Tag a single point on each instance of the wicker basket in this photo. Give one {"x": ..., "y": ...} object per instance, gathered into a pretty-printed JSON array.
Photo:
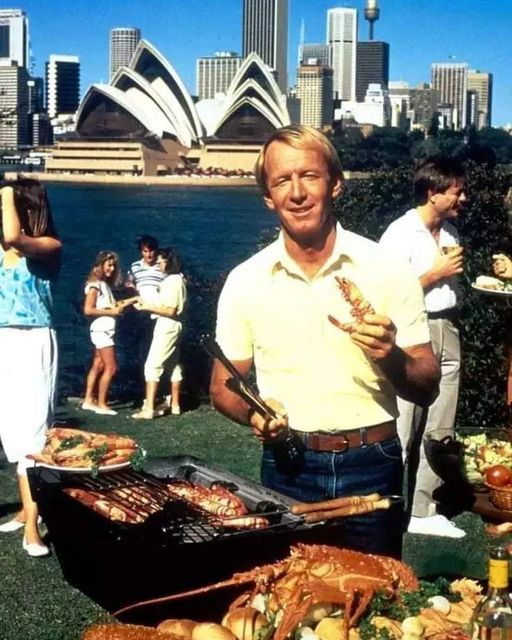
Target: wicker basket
[{"x": 501, "y": 497}]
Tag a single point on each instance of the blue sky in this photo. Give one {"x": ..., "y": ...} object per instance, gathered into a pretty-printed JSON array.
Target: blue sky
[{"x": 419, "y": 32}]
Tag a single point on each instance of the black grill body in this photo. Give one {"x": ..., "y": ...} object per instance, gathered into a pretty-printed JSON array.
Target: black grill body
[{"x": 117, "y": 564}]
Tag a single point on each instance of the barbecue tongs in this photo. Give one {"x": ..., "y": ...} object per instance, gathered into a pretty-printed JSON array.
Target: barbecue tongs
[{"x": 238, "y": 383}]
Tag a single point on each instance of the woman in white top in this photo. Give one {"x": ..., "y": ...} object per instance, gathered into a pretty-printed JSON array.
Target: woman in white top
[
  {"x": 164, "y": 353},
  {"x": 101, "y": 305}
]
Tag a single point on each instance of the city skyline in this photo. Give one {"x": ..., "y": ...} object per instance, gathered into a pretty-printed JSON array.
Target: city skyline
[{"x": 468, "y": 31}]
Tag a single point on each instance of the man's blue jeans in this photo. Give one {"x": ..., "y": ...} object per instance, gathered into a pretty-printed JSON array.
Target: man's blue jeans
[{"x": 357, "y": 471}]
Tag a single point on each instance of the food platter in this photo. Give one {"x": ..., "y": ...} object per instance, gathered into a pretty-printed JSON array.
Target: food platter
[
  {"x": 492, "y": 292},
  {"x": 71, "y": 450},
  {"x": 101, "y": 469}
]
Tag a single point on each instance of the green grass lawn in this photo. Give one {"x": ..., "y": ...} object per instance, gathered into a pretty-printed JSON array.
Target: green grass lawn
[{"x": 36, "y": 603}]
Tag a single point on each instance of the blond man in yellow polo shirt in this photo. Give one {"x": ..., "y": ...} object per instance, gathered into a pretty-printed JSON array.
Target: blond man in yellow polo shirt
[{"x": 282, "y": 312}]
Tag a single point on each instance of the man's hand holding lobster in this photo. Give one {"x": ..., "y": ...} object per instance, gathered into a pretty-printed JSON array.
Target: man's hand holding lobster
[
  {"x": 374, "y": 333},
  {"x": 413, "y": 371}
]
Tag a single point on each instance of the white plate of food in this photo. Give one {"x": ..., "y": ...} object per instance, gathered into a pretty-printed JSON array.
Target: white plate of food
[
  {"x": 77, "y": 451},
  {"x": 492, "y": 292},
  {"x": 492, "y": 286},
  {"x": 100, "y": 469}
]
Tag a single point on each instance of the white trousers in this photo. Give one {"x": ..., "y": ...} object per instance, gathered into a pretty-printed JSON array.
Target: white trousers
[
  {"x": 164, "y": 353},
  {"x": 28, "y": 377},
  {"x": 438, "y": 419}
]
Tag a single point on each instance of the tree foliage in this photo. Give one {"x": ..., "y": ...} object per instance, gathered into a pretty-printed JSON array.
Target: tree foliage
[
  {"x": 389, "y": 147},
  {"x": 368, "y": 207}
]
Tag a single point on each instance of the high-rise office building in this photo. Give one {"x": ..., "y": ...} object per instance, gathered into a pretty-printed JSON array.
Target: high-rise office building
[
  {"x": 400, "y": 100},
  {"x": 424, "y": 103},
  {"x": 214, "y": 75},
  {"x": 35, "y": 95},
  {"x": 265, "y": 31},
  {"x": 42, "y": 131},
  {"x": 14, "y": 130},
  {"x": 372, "y": 66},
  {"x": 293, "y": 105},
  {"x": 314, "y": 90},
  {"x": 472, "y": 108},
  {"x": 450, "y": 79},
  {"x": 480, "y": 83},
  {"x": 314, "y": 52},
  {"x": 14, "y": 38},
  {"x": 123, "y": 42},
  {"x": 342, "y": 41},
  {"x": 62, "y": 85},
  {"x": 39, "y": 126}
]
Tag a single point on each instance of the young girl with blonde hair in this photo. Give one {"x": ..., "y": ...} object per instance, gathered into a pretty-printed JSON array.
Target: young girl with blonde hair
[{"x": 101, "y": 306}]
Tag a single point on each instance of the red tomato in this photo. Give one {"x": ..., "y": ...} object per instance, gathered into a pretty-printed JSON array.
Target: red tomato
[{"x": 498, "y": 475}]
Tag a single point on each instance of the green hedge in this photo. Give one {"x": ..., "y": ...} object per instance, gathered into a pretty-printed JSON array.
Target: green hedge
[{"x": 368, "y": 206}]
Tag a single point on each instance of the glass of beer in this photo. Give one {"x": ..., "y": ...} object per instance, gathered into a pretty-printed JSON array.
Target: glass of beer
[{"x": 446, "y": 250}]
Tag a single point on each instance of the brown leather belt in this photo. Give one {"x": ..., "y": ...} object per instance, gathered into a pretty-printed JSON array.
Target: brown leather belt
[{"x": 340, "y": 441}]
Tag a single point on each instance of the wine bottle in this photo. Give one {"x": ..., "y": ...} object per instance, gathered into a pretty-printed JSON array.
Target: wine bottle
[{"x": 492, "y": 619}]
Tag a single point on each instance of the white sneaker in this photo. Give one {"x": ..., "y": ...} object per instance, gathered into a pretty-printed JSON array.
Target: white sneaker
[
  {"x": 435, "y": 526},
  {"x": 14, "y": 525},
  {"x": 35, "y": 550},
  {"x": 105, "y": 412},
  {"x": 11, "y": 525}
]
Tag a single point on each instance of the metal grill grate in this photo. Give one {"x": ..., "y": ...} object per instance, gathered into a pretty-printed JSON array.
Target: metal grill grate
[{"x": 176, "y": 519}]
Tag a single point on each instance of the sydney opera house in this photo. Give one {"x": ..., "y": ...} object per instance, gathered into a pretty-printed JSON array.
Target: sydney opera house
[{"x": 145, "y": 122}]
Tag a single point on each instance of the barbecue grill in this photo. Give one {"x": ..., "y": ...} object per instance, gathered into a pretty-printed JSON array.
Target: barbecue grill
[{"x": 177, "y": 547}]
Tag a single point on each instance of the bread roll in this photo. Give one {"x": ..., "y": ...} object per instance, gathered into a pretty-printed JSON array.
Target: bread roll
[
  {"x": 244, "y": 622},
  {"x": 125, "y": 632},
  {"x": 330, "y": 629},
  {"x": 211, "y": 631},
  {"x": 182, "y": 628}
]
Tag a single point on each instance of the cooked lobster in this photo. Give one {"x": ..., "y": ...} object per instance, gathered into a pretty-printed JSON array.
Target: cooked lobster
[{"x": 314, "y": 574}]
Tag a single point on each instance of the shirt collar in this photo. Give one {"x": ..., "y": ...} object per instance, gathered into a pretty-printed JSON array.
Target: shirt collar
[
  {"x": 142, "y": 263},
  {"x": 419, "y": 225},
  {"x": 416, "y": 220},
  {"x": 280, "y": 258}
]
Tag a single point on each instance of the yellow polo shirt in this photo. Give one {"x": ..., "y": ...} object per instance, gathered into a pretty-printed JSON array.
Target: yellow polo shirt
[{"x": 271, "y": 312}]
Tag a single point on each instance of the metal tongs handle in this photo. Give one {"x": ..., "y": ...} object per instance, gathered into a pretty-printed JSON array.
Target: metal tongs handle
[{"x": 238, "y": 384}]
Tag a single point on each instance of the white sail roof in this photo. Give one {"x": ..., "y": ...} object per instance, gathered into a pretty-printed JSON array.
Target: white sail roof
[
  {"x": 131, "y": 82},
  {"x": 141, "y": 109},
  {"x": 151, "y": 91},
  {"x": 158, "y": 71},
  {"x": 254, "y": 85}
]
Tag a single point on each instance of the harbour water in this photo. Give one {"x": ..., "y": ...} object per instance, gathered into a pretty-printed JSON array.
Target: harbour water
[{"x": 212, "y": 229}]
